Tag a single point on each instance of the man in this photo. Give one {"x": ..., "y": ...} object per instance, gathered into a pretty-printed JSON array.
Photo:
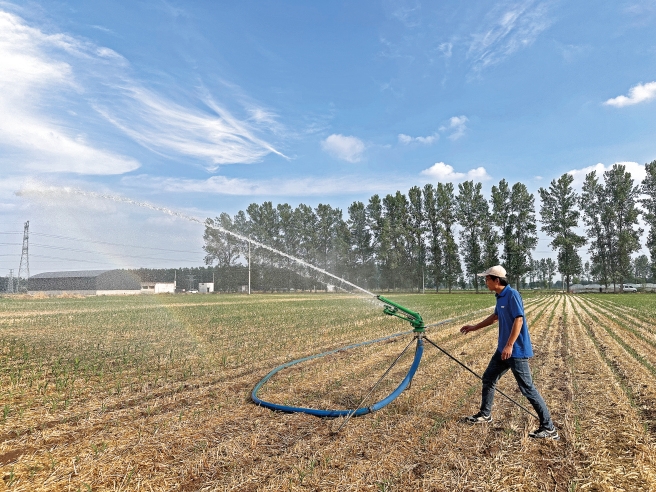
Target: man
[{"x": 513, "y": 350}]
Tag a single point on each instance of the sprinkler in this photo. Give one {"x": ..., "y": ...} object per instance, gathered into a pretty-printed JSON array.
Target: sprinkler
[{"x": 390, "y": 308}]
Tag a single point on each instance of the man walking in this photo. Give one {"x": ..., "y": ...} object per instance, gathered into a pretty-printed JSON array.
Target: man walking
[{"x": 513, "y": 350}]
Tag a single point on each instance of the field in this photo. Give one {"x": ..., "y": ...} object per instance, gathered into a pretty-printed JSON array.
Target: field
[{"x": 153, "y": 393}]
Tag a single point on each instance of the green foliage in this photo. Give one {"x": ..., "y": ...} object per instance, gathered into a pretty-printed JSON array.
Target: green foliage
[
  {"x": 560, "y": 216},
  {"x": 610, "y": 214},
  {"x": 513, "y": 211}
]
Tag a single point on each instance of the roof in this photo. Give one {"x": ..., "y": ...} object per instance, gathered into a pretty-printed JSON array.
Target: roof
[{"x": 73, "y": 274}]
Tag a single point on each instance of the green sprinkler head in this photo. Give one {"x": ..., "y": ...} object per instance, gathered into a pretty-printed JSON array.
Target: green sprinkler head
[{"x": 393, "y": 309}]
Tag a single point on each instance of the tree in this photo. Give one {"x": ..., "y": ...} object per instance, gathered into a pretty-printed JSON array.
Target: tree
[
  {"x": 641, "y": 268},
  {"x": 376, "y": 224},
  {"x": 416, "y": 230},
  {"x": 550, "y": 270},
  {"x": 220, "y": 246},
  {"x": 513, "y": 211},
  {"x": 435, "y": 232},
  {"x": 361, "y": 251},
  {"x": 393, "y": 239},
  {"x": 327, "y": 227},
  {"x": 446, "y": 213},
  {"x": 623, "y": 197},
  {"x": 611, "y": 216},
  {"x": 472, "y": 213},
  {"x": 649, "y": 203},
  {"x": 559, "y": 218},
  {"x": 594, "y": 205}
]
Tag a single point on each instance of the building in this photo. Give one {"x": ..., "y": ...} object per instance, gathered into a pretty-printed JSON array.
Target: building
[
  {"x": 206, "y": 288},
  {"x": 86, "y": 282},
  {"x": 158, "y": 287}
]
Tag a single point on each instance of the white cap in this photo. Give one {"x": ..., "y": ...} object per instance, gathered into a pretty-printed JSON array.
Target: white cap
[{"x": 497, "y": 271}]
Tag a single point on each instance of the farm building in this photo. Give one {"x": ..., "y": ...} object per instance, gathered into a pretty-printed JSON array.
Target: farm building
[
  {"x": 158, "y": 287},
  {"x": 206, "y": 288},
  {"x": 86, "y": 282}
]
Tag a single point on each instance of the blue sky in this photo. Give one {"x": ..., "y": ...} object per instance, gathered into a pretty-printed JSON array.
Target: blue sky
[{"x": 205, "y": 107}]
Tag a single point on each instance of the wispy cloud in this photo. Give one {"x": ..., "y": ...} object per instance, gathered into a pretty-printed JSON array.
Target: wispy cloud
[
  {"x": 169, "y": 128},
  {"x": 508, "y": 28},
  {"x": 429, "y": 140},
  {"x": 343, "y": 147},
  {"x": 445, "y": 173},
  {"x": 456, "y": 127},
  {"x": 310, "y": 186},
  {"x": 637, "y": 94},
  {"x": 33, "y": 70},
  {"x": 44, "y": 76}
]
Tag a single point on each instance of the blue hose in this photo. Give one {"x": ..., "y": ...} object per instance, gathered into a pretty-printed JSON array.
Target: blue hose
[{"x": 341, "y": 413}]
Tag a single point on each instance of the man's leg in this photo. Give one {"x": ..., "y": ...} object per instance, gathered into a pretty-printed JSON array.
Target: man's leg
[
  {"x": 522, "y": 373},
  {"x": 495, "y": 369}
]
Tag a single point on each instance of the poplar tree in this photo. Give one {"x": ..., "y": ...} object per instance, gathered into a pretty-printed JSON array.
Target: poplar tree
[
  {"x": 416, "y": 231},
  {"x": 434, "y": 227},
  {"x": 220, "y": 246},
  {"x": 446, "y": 212},
  {"x": 395, "y": 208},
  {"x": 361, "y": 248},
  {"x": 513, "y": 211},
  {"x": 472, "y": 213},
  {"x": 596, "y": 218},
  {"x": 560, "y": 215},
  {"x": 623, "y": 196},
  {"x": 611, "y": 216},
  {"x": 649, "y": 203}
]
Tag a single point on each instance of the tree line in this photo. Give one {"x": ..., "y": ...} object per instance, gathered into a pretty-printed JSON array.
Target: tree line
[{"x": 439, "y": 237}]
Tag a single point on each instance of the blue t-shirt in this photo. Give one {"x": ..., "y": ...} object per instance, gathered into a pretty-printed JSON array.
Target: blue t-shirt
[{"x": 510, "y": 306}]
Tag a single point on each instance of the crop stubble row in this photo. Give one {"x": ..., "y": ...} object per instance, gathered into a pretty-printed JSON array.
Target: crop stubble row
[{"x": 206, "y": 437}]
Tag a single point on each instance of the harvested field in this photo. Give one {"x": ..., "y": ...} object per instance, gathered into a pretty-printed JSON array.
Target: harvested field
[{"x": 152, "y": 393}]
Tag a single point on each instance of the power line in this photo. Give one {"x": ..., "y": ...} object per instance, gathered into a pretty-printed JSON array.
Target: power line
[{"x": 91, "y": 241}]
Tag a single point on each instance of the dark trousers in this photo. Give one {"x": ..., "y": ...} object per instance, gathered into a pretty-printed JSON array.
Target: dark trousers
[{"x": 522, "y": 372}]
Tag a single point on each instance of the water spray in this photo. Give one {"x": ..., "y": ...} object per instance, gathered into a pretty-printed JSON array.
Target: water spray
[{"x": 390, "y": 308}]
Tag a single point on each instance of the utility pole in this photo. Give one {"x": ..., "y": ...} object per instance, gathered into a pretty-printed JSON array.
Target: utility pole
[
  {"x": 10, "y": 282},
  {"x": 249, "y": 267},
  {"x": 24, "y": 268}
]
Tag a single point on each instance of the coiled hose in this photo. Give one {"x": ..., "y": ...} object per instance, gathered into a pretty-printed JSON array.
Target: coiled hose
[{"x": 342, "y": 413}]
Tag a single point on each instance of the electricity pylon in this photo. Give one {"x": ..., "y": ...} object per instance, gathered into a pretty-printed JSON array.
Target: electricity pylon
[{"x": 24, "y": 268}]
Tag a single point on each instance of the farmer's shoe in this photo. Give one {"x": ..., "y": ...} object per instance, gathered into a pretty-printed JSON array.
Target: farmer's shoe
[
  {"x": 479, "y": 418},
  {"x": 544, "y": 433}
]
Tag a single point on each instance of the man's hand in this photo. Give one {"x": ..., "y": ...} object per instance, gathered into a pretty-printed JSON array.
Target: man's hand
[
  {"x": 467, "y": 328},
  {"x": 507, "y": 352}
]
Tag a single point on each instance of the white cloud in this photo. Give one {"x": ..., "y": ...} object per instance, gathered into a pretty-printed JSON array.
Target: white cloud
[
  {"x": 637, "y": 171},
  {"x": 508, "y": 28},
  {"x": 166, "y": 127},
  {"x": 637, "y": 94},
  {"x": 31, "y": 72},
  {"x": 223, "y": 185},
  {"x": 446, "y": 49},
  {"x": 445, "y": 173},
  {"x": 457, "y": 126},
  {"x": 344, "y": 147},
  {"x": 44, "y": 76},
  {"x": 429, "y": 140}
]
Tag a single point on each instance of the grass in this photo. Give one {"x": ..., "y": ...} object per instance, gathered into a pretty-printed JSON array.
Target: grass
[{"x": 151, "y": 392}]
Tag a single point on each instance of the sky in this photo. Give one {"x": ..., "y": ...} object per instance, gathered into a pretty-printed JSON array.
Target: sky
[{"x": 205, "y": 107}]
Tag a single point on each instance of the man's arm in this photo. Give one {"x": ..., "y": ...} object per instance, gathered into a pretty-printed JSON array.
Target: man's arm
[
  {"x": 486, "y": 322},
  {"x": 514, "y": 333}
]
